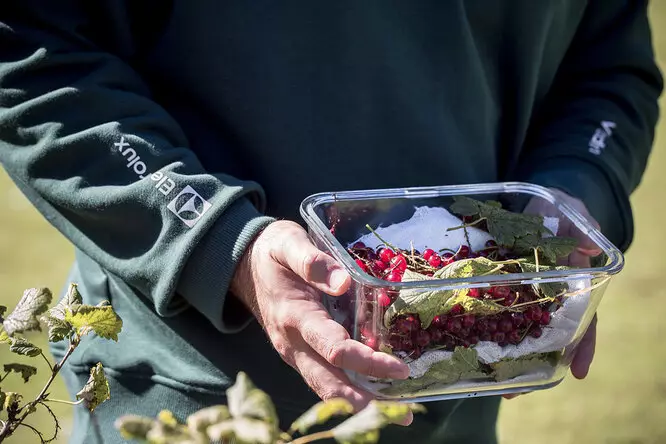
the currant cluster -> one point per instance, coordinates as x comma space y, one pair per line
525, 315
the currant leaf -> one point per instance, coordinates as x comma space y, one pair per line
246, 400
134, 427
204, 418
322, 412
510, 368
26, 371
96, 390
34, 302
549, 248
101, 319
242, 430
22, 346
363, 428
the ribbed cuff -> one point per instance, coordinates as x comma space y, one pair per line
205, 279
604, 198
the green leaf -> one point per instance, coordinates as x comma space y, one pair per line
134, 427
242, 430
478, 307
96, 390
101, 319
547, 289
26, 371
246, 400
60, 329
510, 368
549, 248
4, 337
24, 347
34, 302
204, 418
322, 412
463, 364
503, 225
429, 303
363, 428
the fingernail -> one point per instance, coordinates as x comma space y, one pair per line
408, 420
337, 278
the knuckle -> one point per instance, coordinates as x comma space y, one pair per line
334, 353
309, 262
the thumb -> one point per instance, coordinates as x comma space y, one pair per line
312, 265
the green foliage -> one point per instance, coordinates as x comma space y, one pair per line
521, 233
69, 319
250, 418
96, 390
24, 318
26, 371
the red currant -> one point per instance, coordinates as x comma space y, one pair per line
485, 336
439, 321
386, 255
362, 265
481, 325
394, 276
453, 325
359, 246
457, 310
435, 261
463, 251
464, 332
383, 299
505, 325
536, 332
514, 337
518, 319
545, 318
534, 313
436, 335
399, 263
428, 253
491, 244
474, 293
492, 326
378, 266
499, 337
447, 256
469, 321
422, 338
473, 340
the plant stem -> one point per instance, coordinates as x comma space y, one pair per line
382, 240
41, 437
55, 419
47, 361
4, 376
471, 224
313, 437
62, 401
11, 426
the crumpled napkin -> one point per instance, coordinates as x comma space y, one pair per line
427, 229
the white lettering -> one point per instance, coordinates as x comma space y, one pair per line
167, 187
598, 141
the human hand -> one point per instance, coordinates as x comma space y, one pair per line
586, 249
280, 279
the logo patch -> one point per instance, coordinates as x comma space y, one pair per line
189, 206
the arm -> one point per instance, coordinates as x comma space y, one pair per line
593, 133
81, 137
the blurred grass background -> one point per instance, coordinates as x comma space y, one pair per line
623, 400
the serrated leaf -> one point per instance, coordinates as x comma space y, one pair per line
101, 319
429, 303
463, 364
364, 427
477, 307
246, 400
547, 289
503, 225
242, 430
24, 347
322, 412
24, 318
58, 329
26, 371
96, 390
134, 427
549, 248
506, 369
204, 418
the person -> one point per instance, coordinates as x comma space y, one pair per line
173, 142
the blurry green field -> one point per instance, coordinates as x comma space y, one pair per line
622, 401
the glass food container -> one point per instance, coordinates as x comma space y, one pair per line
478, 288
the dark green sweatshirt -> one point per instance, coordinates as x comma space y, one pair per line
160, 137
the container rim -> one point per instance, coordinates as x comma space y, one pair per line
338, 251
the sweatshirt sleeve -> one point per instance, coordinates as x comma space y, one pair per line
592, 135
112, 171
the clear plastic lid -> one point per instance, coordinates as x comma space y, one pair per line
318, 208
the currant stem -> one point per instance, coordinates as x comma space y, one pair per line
381, 239
62, 401
47, 361
4, 376
471, 224
313, 437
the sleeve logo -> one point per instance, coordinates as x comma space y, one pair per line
598, 140
189, 206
